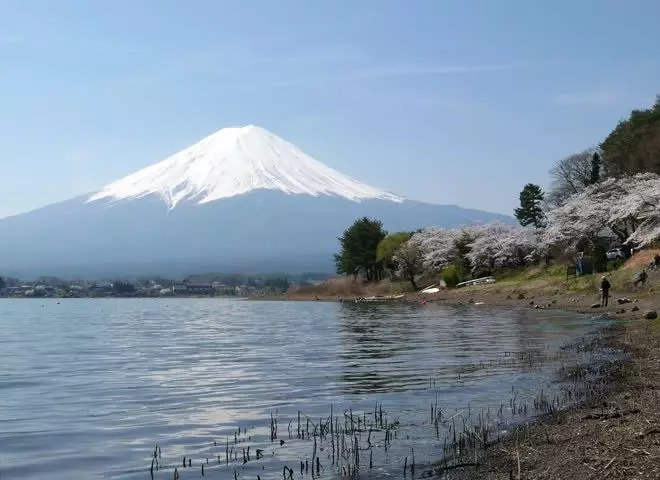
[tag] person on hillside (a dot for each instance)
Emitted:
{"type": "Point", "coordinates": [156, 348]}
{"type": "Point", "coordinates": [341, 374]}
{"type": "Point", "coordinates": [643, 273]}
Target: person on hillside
{"type": "Point", "coordinates": [579, 265]}
{"type": "Point", "coordinates": [641, 278]}
{"type": "Point", "coordinates": [605, 291]}
{"type": "Point", "coordinates": [656, 261]}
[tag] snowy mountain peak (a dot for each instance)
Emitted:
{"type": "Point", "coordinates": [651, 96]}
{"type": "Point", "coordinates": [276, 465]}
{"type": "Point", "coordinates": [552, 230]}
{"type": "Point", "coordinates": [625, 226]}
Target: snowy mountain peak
{"type": "Point", "coordinates": [234, 161]}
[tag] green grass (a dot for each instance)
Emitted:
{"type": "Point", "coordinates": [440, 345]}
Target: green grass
{"type": "Point", "coordinates": [531, 273]}
{"type": "Point", "coordinates": [553, 280]}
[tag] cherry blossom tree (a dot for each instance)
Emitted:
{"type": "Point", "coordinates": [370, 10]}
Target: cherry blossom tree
{"type": "Point", "coordinates": [640, 207]}
{"type": "Point", "coordinates": [442, 246]}
{"type": "Point", "coordinates": [628, 206]}
{"type": "Point", "coordinates": [583, 216]}
{"type": "Point", "coordinates": [493, 245]}
{"type": "Point", "coordinates": [504, 246]}
{"type": "Point", "coordinates": [625, 206]}
{"type": "Point", "coordinates": [437, 246]}
{"type": "Point", "coordinates": [409, 260]}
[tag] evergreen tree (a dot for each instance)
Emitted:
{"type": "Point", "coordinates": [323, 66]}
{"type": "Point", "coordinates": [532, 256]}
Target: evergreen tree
{"type": "Point", "coordinates": [595, 169]}
{"type": "Point", "coordinates": [463, 246]}
{"type": "Point", "coordinates": [634, 145]}
{"type": "Point", "coordinates": [123, 288]}
{"type": "Point", "coordinates": [359, 249]}
{"type": "Point", "coordinates": [530, 211]}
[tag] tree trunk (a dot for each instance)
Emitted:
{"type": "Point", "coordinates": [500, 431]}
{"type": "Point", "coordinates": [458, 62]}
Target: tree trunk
{"type": "Point", "coordinates": [412, 282]}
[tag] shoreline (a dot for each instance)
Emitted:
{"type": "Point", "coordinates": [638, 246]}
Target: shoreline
{"type": "Point", "coordinates": [615, 434]}
{"type": "Point", "coordinates": [576, 302]}
{"type": "Point", "coordinates": [583, 386]}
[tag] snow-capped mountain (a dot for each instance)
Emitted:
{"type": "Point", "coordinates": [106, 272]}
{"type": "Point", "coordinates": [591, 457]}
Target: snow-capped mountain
{"type": "Point", "coordinates": [241, 199]}
{"type": "Point", "coordinates": [234, 161]}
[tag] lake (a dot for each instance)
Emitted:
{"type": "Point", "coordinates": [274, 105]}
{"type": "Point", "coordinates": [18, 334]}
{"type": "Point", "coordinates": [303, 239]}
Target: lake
{"type": "Point", "coordinates": [88, 387]}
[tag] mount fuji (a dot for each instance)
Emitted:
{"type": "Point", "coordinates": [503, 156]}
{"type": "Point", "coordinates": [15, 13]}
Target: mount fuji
{"type": "Point", "coordinates": [241, 199]}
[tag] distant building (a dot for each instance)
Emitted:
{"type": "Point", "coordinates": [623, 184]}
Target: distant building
{"type": "Point", "coordinates": [245, 290]}
{"type": "Point", "coordinates": [200, 288]}
{"type": "Point", "coordinates": [13, 291]}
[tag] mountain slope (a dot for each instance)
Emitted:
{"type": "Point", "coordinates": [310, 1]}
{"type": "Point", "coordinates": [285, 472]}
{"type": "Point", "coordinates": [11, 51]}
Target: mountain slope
{"type": "Point", "coordinates": [234, 161]}
{"type": "Point", "coordinates": [249, 202]}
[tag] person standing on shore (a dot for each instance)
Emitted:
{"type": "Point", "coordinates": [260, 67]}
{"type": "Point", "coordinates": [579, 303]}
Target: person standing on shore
{"type": "Point", "coordinates": [605, 291]}
{"type": "Point", "coordinates": [641, 278]}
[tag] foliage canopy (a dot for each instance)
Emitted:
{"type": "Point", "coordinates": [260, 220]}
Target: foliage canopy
{"type": "Point", "coordinates": [530, 211]}
{"type": "Point", "coordinates": [634, 145]}
{"type": "Point", "coordinates": [359, 249]}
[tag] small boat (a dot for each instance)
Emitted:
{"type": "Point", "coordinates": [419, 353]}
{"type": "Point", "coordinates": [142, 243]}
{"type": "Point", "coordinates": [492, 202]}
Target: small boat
{"type": "Point", "coordinates": [379, 298]}
{"type": "Point", "coordinates": [477, 281]}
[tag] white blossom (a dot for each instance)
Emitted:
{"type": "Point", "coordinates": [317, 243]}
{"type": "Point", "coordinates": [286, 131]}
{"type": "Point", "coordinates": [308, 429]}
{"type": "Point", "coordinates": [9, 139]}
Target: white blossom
{"type": "Point", "coordinates": [628, 206]}
{"type": "Point", "coordinates": [500, 246]}
{"type": "Point", "coordinates": [488, 246]}
{"type": "Point", "coordinates": [639, 208]}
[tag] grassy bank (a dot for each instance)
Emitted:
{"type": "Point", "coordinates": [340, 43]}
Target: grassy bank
{"type": "Point", "coordinates": [547, 286]}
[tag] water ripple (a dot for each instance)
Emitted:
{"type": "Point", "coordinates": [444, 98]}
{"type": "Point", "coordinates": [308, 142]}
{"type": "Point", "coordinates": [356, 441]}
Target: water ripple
{"type": "Point", "coordinates": [90, 386]}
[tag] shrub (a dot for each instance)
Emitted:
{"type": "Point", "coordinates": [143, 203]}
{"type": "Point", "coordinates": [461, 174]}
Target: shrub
{"type": "Point", "coordinates": [615, 264]}
{"type": "Point", "coordinates": [450, 276]}
{"type": "Point", "coordinates": [599, 258]}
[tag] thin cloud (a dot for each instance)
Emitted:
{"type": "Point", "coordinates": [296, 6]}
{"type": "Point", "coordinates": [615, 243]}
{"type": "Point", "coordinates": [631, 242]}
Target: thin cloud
{"type": "Point", "coordinates": [241, 68]}
{"type": "Point", "coordinates": [386, 71]}
{"type": "Point", "coordinates": [586, 99]}
{"type": "Point", "coordinates": [407, 70]}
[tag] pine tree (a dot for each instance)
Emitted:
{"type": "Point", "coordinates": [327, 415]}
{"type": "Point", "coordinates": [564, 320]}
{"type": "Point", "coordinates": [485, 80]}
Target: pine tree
{"type": "Point", "coordinates": [359, 249]}
{"type": "Point", "coordinates": [595, 169]}
{"type": "Point", "coordinates": [530, 211]}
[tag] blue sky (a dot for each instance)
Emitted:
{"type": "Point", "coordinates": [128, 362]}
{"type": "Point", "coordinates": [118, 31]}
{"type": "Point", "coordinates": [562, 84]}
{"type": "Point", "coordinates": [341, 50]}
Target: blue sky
{"type": "Point", "coordinates": [457, 102]}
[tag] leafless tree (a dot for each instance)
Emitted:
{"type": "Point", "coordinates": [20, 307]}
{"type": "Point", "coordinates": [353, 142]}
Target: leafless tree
{"type": "Point", "coordinates": [570, 176]}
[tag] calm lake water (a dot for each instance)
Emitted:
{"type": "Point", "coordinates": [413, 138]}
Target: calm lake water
{"type": "Point", "coordinates": [89, 387]}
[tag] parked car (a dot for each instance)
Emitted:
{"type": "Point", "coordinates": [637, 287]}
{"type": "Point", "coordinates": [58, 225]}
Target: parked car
{"type": "Point", "coordinates": [615, 254]}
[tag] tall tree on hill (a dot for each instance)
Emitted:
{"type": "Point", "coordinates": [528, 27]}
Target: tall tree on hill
{"type": "Point", "coordinates": [359, 249]}
{"type": "Point", "coordinates": [634, 145]}
{"type": "Point", "coordinates": [595, 169]}
{"type": "Point", "coordinates": [530, 211]}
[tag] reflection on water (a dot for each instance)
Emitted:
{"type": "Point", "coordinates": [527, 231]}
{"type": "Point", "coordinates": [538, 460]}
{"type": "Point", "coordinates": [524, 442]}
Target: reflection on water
{"type": "Point", "coordinates": [386, 348]}
{"type": "Point", "coordinates": [89, 387]}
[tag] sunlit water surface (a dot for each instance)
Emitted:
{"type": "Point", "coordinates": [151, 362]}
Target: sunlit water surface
{"type": "Point", "coordinates": [89, 387]}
